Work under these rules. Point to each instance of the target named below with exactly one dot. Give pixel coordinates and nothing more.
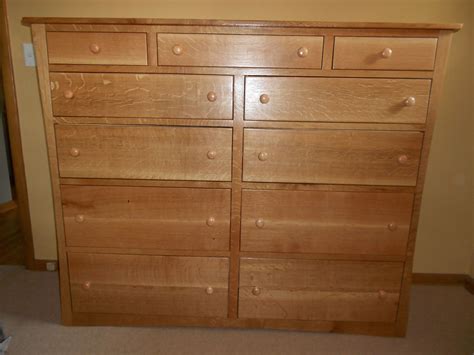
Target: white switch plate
(29, 55)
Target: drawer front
(362, 223)
(319, 290)
(332, 156)
(218, 50)
(384, 53)
(146, 217)
(336, 99)
(142, 95)
(142, 284)
(144, 152)
(97, 48)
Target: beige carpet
(441, 322)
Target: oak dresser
(238, 173)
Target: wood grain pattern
(141, 95)
(336, 99)
(365, 53)
(149, 284)
(141, 217)
(331, 156)
(141, 152)
(319, 290)
(326, 222)
(97, 48)
(218, 50)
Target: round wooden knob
(211, 96)
(302, 52)
(262, 156)
(264, 98)
(392, 226)
(387, 52)
(74, 152)
(94, 48)
(79, 218)
(86, 285)
(260, 223)
(211, 221)
(177, 50)
(68, 94)
(402, 159)
(410, 101)
(211, 155)
(382, 294)
(209, 290)
(256, 291)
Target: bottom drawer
(142, 284)
(319, 289)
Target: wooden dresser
(238, 173)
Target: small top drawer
(219, 50)
(384, 53)
(97, 48)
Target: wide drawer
(364, 223)
(319, 290)
(389, 53)
(142, 284)
(336, 99)
(146, 217)
(97, 48)
(144, 152)
(332, 156)
(142, 95)
(219, 50)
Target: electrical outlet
(29, 55)
(51, 266)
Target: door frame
(15, 138)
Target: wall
(445, 233)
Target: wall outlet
(29, 55)
(51, 266)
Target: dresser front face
(238, 175)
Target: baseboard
(438, 279)
(8, 206)
(41, 265)
(469, 284)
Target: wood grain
(141, 95)
(336, 99)
(332, 156)
(141, 152)
(141, 217)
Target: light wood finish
(336, 99)
(384, 53)
(141, 152)
(147, 218)
(148, 284)
(135, 95)
(325, 222)
(332, 156)
(97, 48)
(239, 51)
(319, 290)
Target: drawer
(388, 53)
(332, 156)
(97, 48)
(337, 99)
(142, 95)
(219, 50)
(363, 223)
(146, 217)
(319, 290)
(144, 152)
(142, 284)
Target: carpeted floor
(441, 322)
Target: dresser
(244, 174)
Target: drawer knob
(79, 218)
(74, 152)
(177, 50)
(211, 155)
(68, 94)
(302, 52)
(86, 285)
(209, 290)
(403, 159)
(211, 221)
(387, 52)
(264, 98)
(382, 294)
(410, 101)
(256, 291)
(211, 96)
(262, 156)
(260, 223)
(392, 226)
(94, 48)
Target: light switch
(29, 55)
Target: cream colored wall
(444, 241)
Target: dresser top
(239, 23)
